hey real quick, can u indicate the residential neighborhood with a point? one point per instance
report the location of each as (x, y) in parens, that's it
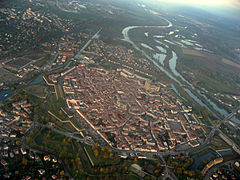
(119, 90)
(140, 116)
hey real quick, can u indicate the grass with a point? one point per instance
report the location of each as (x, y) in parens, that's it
(99, 160)
(212, 72)
(211, 83)
(75, 122)
(133, 177)
(54, 106)
(65, 148)
(205, 122)
(201, 151)
(217, 143)
(49, 138)
(70, 150)
(68, 127)
(59, 91)
(38, 90)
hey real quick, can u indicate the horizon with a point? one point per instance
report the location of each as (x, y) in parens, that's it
(205, 3)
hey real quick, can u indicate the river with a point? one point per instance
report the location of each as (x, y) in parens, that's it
(160, 58)
(199, 158)
(5, 94)
(176, 91)
(174, 73)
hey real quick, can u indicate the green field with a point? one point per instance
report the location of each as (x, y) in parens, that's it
(38, 90)
(212, 73)
(106, 162)
(104, 155)
(59, 91)
(218, 143)
(65, 148)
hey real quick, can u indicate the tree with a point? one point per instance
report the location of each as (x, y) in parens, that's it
(191, 173)
(64, 141)
(182, 158)
(18, 143)
(47, 119)
(109, 149)
(60, 112)
(62, 173)
(35, 117)
(96, 153)
(156, 172)
(97, 145)
(28, 140)
(24, 161)
(105, 156)
(6, 169)
(77, 160)
(106, 170)
(61, 155)
(179, 171)
(103, 149)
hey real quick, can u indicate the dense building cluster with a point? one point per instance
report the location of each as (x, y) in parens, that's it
(18, 121)
(14, 125)
(128, 111)
(30, 24)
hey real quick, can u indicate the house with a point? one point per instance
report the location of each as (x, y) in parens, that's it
(3, 162)
(54, 176)
(28, 178)
(13, 135)
(11, 155)
(5, 147)
(54, 160)
(23, 151)
(16, 151)
(31, 155)
(37, 158)
(3, 114)
(46, 158)
(237, 164)
(5, 154)
(137, 170)
(41, 171)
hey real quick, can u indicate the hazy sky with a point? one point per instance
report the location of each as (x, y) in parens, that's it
(226, 3)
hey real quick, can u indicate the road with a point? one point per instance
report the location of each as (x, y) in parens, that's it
(67, 134)
(148, 155)
(215, 168)
(212, 133)
(172, 152)
(216, 127)
(95, 36)
(25, 146)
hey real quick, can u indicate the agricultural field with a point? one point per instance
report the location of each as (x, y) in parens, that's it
(212, 73)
